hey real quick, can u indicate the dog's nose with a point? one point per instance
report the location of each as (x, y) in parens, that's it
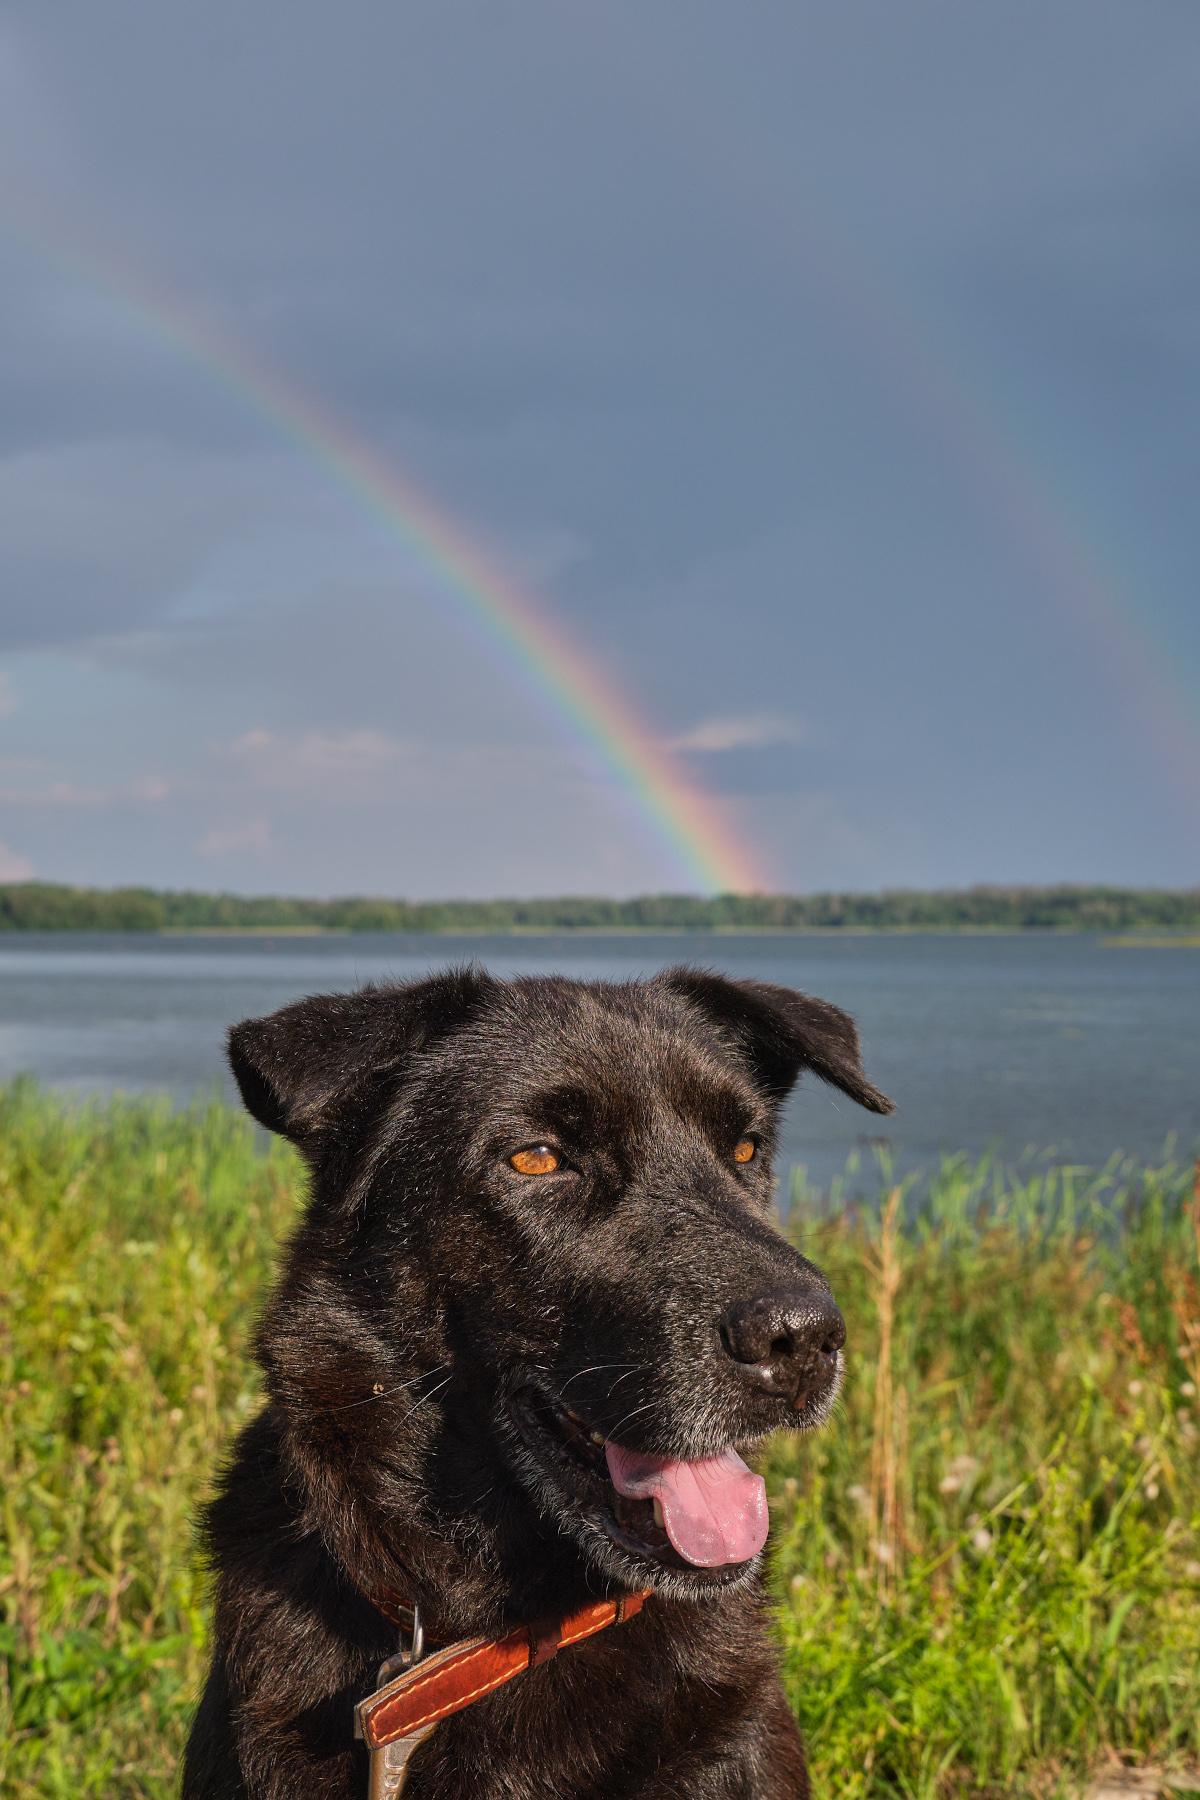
(787, 1341)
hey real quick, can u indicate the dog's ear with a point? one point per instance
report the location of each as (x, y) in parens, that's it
(315, 1070)
(782, 1032)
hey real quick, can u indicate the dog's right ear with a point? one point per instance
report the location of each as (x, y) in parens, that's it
(319, 1068)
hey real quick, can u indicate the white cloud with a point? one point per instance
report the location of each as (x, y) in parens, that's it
(753, 731)
(144, 790)
(150, 788)
(251, 835)
(14, 866)
(302, 761)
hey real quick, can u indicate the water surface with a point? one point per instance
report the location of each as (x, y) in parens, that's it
(1069, 1044)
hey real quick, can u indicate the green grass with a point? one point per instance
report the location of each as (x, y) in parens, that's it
(987, 1570)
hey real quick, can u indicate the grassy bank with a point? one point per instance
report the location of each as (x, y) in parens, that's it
(987, 1570)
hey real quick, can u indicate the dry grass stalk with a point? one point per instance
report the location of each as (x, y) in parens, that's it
(889, 1429)
(1185, 1297)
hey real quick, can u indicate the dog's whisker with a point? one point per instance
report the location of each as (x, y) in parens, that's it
(469, 1500)
(426, 1398)
(594, 1369)
(633, 1369)
(629, 1415)
(374, 1399)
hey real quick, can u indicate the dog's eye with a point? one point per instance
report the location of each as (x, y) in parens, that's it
(538, 1159)
(743, 1150)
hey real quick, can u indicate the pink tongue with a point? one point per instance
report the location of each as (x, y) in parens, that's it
(714, 1510)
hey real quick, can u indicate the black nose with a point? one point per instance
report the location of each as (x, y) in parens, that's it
(787, 1341)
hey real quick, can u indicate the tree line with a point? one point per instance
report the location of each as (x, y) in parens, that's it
(47, 906)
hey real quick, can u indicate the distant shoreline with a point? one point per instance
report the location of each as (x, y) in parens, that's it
(1129, 940)
(232, 931)
(1109, 911)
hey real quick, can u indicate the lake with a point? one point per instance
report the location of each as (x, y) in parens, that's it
(1068, 1045)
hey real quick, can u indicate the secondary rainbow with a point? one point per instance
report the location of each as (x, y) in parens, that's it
(706, 845)
(928, 370)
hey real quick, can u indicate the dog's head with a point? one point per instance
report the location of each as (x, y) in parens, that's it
(539, 1251)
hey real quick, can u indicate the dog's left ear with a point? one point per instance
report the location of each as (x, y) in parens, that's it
(782, 1032)
(317, 1071)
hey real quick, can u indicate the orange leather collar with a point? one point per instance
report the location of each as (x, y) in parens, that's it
(458, 1675)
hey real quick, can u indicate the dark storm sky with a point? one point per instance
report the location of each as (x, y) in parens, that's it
(829, 373)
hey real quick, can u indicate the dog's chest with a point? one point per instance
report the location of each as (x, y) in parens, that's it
(582, 1726)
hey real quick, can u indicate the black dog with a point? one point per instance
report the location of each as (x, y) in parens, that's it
(533, 1306)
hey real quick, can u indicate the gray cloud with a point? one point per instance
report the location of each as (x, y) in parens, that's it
(731, 339)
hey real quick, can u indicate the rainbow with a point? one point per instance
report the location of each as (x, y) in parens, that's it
(987, 452)
(911, 351)
(915, 350)
(706, 846)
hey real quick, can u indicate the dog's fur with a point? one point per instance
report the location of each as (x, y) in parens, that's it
(427, 1287)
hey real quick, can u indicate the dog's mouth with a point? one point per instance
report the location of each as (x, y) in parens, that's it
(705, 1516)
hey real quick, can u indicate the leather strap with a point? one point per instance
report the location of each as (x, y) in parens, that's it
(398, 1612)
(462, 1673)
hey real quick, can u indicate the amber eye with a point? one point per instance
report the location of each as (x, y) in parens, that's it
(539, 1159)
(743, 1151)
